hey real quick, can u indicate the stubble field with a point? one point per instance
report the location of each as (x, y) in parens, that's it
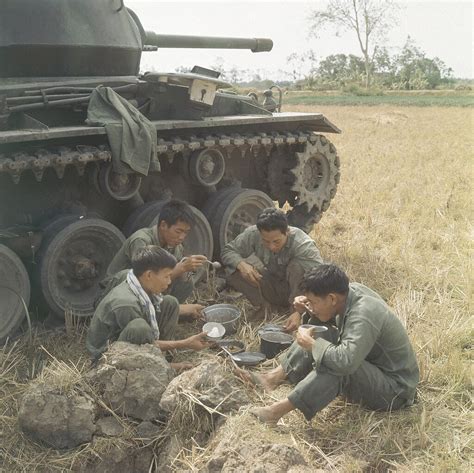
(400, 223)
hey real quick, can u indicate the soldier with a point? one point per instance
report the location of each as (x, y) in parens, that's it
(268, 260)
(366, 356)
(136, 312)
(174, 223)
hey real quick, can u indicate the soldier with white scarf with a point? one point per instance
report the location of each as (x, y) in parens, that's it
(135, 312)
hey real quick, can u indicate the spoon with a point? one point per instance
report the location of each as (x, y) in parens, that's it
(230, 356)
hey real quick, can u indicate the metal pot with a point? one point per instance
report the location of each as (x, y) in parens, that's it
(226, 314)
(272, 343)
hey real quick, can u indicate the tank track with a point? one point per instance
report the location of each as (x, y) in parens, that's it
(38, 161)
(290, 189)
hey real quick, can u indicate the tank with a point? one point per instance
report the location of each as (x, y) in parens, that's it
(71, 191)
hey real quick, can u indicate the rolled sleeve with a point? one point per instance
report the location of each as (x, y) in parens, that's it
(319, 348)
(238, 249)
(358, 339)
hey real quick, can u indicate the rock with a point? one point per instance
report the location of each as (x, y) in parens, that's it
(147, 430)
(120, 460)
(254, 457)
(58, 420)
(168, 452)
(109, 427)
(210, 385)
(131, 379)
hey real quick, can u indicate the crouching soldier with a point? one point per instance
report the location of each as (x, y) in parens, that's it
(367, 358)
(136, 312)
(174, 224)
(268, 260)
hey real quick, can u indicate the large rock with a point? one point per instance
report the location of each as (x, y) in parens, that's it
(59, 420)
(120, 459)
(131, 379)
(210, 385)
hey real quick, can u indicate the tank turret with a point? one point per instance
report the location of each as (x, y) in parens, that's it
(87, 38)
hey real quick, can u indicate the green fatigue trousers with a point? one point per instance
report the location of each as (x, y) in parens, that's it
(273, 289)
(138, 331)
(314, 390)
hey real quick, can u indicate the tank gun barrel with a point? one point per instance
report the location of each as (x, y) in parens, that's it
(256, 45)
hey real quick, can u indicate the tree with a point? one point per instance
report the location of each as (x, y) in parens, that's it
(368, 19)
(416, 71)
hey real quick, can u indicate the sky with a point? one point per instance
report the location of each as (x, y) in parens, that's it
(442, 28)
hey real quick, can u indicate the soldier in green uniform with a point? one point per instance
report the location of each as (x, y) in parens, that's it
(267, 262)
(174, 223)
(135, 312)
(367, 358)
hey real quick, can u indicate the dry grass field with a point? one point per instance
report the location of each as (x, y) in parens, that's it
(400, 223)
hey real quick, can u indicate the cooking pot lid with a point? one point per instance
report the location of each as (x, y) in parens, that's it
(276, 337)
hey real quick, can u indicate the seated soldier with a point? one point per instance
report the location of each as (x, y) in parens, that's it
(174, 224)
(267, 262)
(135, 312)
(367, 358)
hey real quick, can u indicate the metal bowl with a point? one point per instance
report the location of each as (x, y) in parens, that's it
(315, 329)
(226, 314)
(249, 358)
(214, 328)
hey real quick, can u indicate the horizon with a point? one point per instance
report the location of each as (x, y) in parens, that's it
(448, 37)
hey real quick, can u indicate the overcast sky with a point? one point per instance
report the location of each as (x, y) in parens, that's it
(441, 28)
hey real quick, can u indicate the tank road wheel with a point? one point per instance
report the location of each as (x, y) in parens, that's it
(199, 240)
(14, 286)
(73, 263)
(207, 167)
(143, 216)
(237, 211)
(116, 185)
(308, 181)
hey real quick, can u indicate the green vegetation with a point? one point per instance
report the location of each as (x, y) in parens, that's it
(419, 99)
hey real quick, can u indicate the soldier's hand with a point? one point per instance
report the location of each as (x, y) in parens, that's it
(198, 342)
(194, 310)
(293, 322)
(300, 303)
(249, 273)
(305, 339)
(191, 263)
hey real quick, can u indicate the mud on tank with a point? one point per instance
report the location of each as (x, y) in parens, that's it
(67, 200)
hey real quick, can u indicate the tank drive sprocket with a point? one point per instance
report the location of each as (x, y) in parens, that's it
(307, 180)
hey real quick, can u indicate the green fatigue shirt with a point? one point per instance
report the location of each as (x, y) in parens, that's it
(369, 330)
(119, 307)
(299, 248)
(141, 238)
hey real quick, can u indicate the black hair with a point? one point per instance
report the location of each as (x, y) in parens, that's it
(153, 258)
(176, 211)
(272, 219)
(324, 279)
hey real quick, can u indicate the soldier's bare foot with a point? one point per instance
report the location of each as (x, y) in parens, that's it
(265, 381)
(265, 415)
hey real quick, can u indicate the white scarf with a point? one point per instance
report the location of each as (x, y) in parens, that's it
(145, 301)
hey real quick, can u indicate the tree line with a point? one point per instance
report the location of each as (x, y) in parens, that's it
(409, 69)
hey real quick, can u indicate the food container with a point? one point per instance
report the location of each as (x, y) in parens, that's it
(226, 314)
(232, 346)
(248, 358)
(272, 343)
(315, 329)
(214, 331)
